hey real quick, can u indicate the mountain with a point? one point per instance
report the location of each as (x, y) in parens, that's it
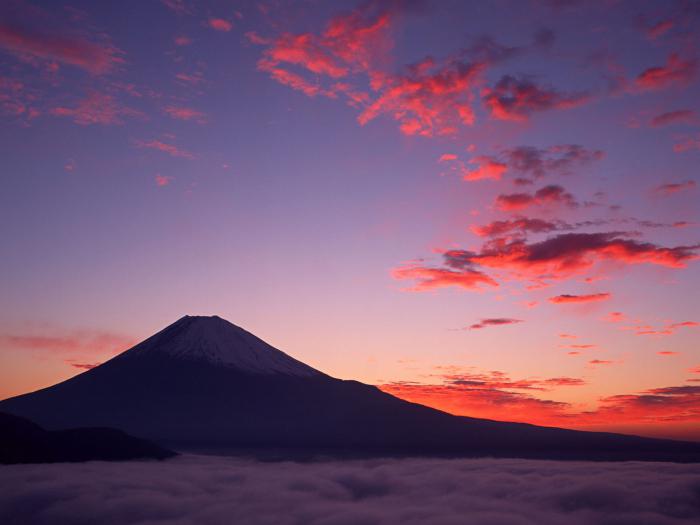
(21, 441)
(203, 383)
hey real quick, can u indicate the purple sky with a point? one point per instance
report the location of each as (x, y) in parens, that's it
(407, 193)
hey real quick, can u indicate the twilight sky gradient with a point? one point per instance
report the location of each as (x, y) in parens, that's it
(487, 207)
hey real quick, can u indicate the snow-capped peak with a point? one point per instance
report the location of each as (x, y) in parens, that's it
(218, 341)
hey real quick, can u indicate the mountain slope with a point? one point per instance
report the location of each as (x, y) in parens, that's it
(21, 441)
(176, 389)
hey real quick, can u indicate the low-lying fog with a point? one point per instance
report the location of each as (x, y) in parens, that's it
(221, 490)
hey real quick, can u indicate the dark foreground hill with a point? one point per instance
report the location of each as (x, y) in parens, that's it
(22, 441)
(203, 383)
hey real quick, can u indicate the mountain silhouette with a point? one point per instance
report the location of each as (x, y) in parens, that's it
(22, 441)
(205, 384)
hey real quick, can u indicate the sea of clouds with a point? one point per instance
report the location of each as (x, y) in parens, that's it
(221, 490)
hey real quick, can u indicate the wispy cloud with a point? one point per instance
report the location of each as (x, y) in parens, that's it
(587, 298)
(170, 149)
(494, 321)
(95, 57)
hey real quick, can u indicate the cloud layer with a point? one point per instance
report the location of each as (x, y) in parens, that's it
(213, 490)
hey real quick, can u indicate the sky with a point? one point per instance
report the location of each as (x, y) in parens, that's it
(487, 207)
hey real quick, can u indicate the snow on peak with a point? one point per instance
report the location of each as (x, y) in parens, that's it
(218, 341)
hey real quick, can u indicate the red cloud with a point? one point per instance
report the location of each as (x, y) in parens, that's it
(96, 108)
(297, 82)
(566, 254)
(519, 225)
(534, 162)
(552, 194)
(580, 347)
(492, 395)
(446, 157)
(516, 99)
(183, 113)
(87, 341)
(163, 180)
(676, 72)
(498, 321)
(655, 332)
(431, 278)
(567, 299)
(658, 405)
(671, 117)
(348, 42)
(669, 329)
(194, 79)
(488, 168)
(667, 353)
(687, 324)
(176, 5)
(16, 100)
(84, 366)
(219, 24)
(93, 57)
(595, 362)
(686, 144)
(170, 149)
(615, 317)
(429, 99)
(183, 41)
(659, 29)
(674, 187)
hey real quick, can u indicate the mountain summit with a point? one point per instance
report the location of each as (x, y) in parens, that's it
(217, 341)
(203, 384)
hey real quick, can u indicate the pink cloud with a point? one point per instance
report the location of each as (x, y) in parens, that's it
(497, 321)
(676, 71)
(569, 299)
(83, 366)
(518, 226)
(675, 187)
(96, 58)
(219, 24)
(446, 157)
(182, 41)
(178, 6)
(68, 343)
(492, 395)
(567, 254)
(687, 144)
(673, 117)
(431, 278)
(487, 168)
(551, 194)
(669, 329)
(170, 149)
(428, 99)
(163, 180)
(97, 108)
(615, 317)
(185, 113)
(659, 29)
